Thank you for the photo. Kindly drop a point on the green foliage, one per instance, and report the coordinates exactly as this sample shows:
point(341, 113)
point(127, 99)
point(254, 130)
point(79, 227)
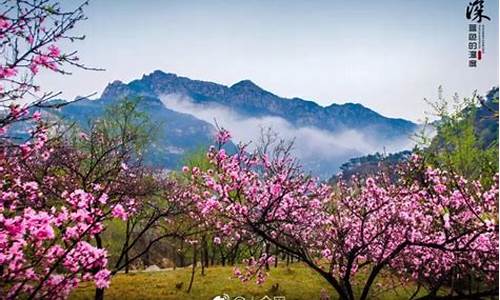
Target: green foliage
point(197, 158)
point(121, 134)
point(123, 120)
point(121, 125)
point(113, 238)
point(460, 144)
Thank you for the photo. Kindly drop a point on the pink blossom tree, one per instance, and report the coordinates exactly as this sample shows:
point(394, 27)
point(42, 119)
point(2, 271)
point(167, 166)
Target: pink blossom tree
point(45, 248)
point(46, 223)
point(107, 159)
point(429, 224)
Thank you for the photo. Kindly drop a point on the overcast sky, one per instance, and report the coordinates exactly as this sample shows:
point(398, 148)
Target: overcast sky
point(387, 55)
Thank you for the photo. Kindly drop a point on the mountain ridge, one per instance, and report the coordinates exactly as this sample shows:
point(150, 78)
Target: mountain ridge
point(327, 135)
point(248, 98)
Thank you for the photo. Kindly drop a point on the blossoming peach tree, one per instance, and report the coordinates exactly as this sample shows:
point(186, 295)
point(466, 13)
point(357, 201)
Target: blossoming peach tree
point(45, 248)
point(430, 226)
point(45, 229)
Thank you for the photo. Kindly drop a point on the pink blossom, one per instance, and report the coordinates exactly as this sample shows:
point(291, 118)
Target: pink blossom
point(102, 279)
point(4, 23)
point(223, 136)
point(54, 51)
point(6, 72)
point(37, 116)
point(124, 166)
point(119, 212)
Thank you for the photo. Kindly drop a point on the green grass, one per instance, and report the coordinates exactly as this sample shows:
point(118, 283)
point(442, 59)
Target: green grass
point(298, 282)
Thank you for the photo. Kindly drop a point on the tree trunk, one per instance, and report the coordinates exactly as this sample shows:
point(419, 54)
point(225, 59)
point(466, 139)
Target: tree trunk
point(212, 258)
point(222, 257)
point(234, 254)
point(276, 257)
point(181, 255)
point(202, 258)
point(194, 269)
point(206, 252)
point(267, 254)
point(127, 237)
point(99, 293)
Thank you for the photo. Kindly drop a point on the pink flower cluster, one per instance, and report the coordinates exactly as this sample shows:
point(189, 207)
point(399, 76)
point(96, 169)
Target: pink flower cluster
point(48, 60)
point(223, 136)
point(254, 268)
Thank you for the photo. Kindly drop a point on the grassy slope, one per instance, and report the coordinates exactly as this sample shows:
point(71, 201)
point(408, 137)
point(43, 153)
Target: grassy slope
point(295, 283)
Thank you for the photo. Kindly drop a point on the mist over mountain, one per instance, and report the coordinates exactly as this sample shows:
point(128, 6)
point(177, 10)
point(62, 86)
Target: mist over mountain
point(185, 111)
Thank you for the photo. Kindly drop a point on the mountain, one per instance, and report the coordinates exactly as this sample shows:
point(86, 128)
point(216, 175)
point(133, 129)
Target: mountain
point(185, 110)
point(248, 99)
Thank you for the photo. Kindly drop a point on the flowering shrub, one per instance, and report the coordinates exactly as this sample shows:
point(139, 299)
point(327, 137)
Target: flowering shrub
point(424, 226)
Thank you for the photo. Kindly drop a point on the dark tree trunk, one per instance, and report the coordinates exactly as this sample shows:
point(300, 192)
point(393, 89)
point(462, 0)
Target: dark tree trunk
point(127, 237)
point(202, 258)
point(267, 253)
point(206, 252)
point(99, 293)
point(222, 257)
point(276, 257)
point(212, 257)
point(181, 255)
point(234, 254)
point(194, 268)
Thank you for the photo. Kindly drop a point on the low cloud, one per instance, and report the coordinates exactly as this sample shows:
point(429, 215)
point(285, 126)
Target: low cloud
point(312, 145)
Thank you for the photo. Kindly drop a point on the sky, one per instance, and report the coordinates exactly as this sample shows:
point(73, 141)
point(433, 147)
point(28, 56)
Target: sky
point(387, 55)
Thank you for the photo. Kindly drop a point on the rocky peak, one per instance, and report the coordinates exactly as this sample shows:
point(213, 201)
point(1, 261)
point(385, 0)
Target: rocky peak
point(246, 85)
point(159, 75)
point(115, 89)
